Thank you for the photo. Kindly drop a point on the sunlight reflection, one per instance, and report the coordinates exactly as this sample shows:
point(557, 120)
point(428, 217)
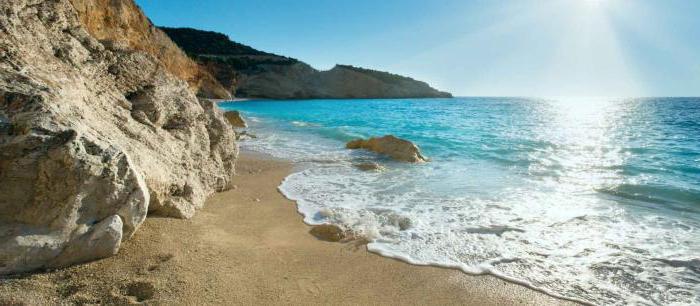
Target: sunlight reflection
point(582, 155)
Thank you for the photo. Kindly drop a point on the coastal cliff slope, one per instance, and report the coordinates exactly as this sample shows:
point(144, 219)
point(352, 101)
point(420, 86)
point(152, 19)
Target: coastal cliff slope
point(93, 136)
point(256, 74)
point(123, 24)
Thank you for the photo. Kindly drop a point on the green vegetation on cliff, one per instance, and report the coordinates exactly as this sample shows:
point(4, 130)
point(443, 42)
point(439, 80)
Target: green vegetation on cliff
point(256, 74)
point(207, 42)
point(217, 46)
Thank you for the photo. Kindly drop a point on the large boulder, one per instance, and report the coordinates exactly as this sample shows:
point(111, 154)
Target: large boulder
point(93, 137)
point(396, 148)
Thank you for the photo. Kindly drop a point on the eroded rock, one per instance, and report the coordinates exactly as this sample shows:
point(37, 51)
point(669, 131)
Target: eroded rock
point(328, 232)
point(121, 25)
point(244, 135)
point(396, 148)
point(92, 139)
point(101, 241)
point(235, 119)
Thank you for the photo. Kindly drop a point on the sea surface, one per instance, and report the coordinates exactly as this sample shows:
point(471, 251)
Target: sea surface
point(591, 199)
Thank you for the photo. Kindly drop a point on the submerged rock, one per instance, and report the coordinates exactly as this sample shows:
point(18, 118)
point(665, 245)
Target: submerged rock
point(244, 135)
point(402, 222)
point(92, 138)
point(328, 232)
point(497, 230)
point(370, 166)
point(235, 119)
point(396, 148)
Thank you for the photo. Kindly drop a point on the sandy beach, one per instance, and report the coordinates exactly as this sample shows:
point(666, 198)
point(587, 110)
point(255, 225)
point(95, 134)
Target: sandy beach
point(156, 153)
point(250, 246)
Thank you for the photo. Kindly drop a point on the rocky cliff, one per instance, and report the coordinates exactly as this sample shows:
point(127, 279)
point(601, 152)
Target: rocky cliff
point(257, 74)
point(123, 25)
point(96, 132)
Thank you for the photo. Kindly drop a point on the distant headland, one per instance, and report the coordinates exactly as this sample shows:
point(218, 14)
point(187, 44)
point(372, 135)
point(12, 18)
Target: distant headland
point(250, 73)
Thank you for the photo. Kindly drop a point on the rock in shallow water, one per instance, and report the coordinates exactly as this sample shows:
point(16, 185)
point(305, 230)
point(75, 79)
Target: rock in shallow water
point(244, 135)
point(328, 232)
point(396, 148)
point(370, 166)
point(235, 119)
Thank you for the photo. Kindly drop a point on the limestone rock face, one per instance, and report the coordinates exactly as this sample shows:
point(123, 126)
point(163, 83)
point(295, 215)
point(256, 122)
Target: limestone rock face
point(93, 137)
point(122, 23)
point(396, 148)
point(235, 119)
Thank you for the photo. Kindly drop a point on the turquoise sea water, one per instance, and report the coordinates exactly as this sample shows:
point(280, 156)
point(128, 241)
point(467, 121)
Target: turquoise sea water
point(596, 200)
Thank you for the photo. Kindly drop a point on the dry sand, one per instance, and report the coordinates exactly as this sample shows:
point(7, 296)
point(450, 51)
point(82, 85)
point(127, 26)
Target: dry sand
point(250, 246)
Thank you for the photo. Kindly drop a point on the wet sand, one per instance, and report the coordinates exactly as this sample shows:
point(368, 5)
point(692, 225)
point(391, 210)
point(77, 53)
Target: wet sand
point(250, 246)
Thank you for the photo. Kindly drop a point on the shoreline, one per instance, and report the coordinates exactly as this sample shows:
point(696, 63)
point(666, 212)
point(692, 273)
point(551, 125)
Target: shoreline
point(250, 245)
point(217, 101)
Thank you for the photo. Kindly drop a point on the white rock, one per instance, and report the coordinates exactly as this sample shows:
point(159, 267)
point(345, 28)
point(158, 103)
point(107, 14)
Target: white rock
point(101, 241)
point(92, 139)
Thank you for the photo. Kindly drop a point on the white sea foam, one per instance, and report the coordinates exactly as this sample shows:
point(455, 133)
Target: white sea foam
point(304, 123)
point(524, 243)
point(558, 236)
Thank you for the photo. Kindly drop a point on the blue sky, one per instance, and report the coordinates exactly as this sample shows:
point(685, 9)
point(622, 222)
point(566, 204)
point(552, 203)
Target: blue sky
point(474, 48)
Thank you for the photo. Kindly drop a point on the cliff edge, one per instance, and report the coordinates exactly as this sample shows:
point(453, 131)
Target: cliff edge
point(123, 25)
point(95, 133)
point(257, 74)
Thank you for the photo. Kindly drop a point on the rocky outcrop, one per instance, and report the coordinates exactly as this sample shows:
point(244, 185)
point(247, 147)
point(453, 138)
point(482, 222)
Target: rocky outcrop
point(122, 24)
point(235, 119)
point(301, 81)
point(93, 136)
point(257, 74)
point(353, 82)
point(396, 148)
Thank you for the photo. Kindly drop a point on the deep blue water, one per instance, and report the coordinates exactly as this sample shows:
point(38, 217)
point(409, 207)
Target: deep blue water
point(591, 199)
